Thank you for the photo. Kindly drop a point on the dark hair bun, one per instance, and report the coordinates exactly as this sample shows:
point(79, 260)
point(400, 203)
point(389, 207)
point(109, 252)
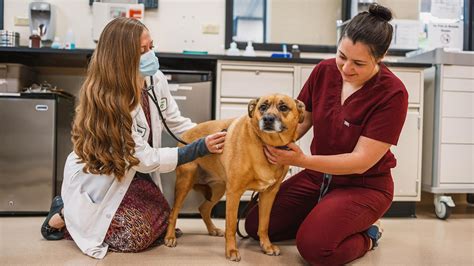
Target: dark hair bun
point(380, 12)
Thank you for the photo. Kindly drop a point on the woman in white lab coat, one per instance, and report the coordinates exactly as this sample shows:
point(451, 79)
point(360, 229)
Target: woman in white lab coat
point(111, 192)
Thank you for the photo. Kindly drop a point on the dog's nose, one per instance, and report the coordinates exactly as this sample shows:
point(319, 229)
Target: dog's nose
point(268, 119)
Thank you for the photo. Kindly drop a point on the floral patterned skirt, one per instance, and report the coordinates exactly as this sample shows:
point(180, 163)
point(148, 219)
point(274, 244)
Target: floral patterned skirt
point(141, 219)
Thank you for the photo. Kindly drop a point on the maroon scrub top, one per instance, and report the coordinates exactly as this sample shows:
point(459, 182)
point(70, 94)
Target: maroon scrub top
point(377, 111)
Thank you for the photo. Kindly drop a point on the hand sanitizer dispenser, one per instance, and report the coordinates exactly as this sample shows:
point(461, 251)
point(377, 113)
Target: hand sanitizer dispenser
point(42, 20)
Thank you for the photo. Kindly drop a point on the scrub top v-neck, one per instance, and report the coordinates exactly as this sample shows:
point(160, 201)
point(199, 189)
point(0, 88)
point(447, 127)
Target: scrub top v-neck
point(377, 111)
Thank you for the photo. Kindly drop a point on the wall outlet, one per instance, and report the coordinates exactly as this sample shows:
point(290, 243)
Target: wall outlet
point(210, 28)
point(21, 21)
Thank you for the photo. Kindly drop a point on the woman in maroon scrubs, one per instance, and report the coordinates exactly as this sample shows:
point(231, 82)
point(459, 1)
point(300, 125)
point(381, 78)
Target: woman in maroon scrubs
point(357, 108)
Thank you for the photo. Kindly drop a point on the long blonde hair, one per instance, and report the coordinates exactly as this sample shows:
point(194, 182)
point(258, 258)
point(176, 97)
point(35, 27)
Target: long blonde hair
point(102, 128)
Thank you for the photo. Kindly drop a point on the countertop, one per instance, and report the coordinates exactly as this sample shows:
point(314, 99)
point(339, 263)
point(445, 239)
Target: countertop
point(47, 57)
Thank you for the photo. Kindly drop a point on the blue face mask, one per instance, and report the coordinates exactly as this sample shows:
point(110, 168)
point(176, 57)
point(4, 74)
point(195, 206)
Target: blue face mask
point(149, 64)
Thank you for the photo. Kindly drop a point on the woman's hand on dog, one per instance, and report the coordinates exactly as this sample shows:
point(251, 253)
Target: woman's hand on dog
point(215, 142)
point(290, 156)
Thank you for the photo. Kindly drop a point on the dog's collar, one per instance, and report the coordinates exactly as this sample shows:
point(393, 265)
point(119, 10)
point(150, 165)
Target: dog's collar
point(285, 147)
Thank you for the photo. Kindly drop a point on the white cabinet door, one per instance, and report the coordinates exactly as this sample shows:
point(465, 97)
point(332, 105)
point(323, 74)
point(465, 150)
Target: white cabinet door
point(305, 73)
point(305, 141)
point(406, 175)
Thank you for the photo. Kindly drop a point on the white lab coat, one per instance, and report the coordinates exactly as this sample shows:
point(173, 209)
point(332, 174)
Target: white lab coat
point(90, 201)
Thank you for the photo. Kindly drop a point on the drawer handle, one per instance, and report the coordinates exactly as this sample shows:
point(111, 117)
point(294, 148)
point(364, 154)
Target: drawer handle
point(41, 107)
point(257, 72)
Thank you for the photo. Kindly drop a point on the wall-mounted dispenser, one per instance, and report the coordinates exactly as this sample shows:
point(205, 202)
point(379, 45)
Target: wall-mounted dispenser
point(43, 20)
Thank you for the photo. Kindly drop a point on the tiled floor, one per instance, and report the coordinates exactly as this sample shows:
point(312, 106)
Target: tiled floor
point(406, 241)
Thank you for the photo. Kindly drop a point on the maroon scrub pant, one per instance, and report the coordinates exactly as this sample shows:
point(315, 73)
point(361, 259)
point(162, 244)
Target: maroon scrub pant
point(330, 232)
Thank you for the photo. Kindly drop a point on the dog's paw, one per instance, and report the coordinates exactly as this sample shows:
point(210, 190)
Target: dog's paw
point(233, 255)
point(171, 242)
point(270, 249)
point(216, 232)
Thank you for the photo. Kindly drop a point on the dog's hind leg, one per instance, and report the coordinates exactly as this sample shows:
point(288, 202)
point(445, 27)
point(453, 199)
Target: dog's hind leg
point(185, 176)
point(213, 192)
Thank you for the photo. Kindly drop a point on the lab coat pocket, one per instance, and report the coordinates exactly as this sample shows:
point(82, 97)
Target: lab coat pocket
point(87, 198)
point(80, 212)
point(84, 210)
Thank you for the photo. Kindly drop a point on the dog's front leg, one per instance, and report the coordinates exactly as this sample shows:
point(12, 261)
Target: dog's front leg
point(264, 209)
point(232, 206)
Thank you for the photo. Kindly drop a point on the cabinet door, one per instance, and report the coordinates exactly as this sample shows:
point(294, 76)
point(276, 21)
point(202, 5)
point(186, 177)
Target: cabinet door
point(305, 73)
point(406, 174)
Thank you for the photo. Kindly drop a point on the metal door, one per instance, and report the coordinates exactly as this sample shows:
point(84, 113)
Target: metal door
point(193, 93)
point(26, 154)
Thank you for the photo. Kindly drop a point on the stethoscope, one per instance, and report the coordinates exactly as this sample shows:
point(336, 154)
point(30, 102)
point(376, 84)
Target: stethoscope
point(155, 101)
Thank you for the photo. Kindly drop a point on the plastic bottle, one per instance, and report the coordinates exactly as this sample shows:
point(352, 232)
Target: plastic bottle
point(56, 44)
point(70, 42)
point(233, 50)
point(249, 51)
point(285, 51)
point(35, 40)
point(295, 51)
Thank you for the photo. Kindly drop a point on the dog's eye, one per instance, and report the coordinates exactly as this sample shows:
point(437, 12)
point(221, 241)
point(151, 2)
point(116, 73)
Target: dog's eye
point(283, 108)
point(262, 108)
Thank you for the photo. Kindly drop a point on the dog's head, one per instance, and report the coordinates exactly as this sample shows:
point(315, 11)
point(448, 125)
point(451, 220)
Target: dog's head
point(276, 113)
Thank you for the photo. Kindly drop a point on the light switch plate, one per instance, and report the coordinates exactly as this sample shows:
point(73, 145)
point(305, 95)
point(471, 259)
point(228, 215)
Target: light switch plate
point(210, 28)
point(21, 21)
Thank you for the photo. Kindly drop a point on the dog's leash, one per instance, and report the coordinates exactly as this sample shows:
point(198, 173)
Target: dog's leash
point(250, 204)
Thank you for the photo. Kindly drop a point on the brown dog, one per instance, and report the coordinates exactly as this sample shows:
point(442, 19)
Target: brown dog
point(242, 166)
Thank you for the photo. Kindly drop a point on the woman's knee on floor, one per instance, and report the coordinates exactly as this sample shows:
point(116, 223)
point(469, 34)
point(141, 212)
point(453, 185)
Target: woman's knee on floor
point(314, 248)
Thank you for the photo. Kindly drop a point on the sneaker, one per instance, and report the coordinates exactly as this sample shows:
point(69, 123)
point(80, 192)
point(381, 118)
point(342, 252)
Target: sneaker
point(374, 233)
point(48, 232)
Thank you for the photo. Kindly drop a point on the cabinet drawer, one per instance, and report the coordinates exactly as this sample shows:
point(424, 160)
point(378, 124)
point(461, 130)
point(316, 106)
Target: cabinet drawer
point(412, 82)
point(457, 130)
point(456, 164)
point(454, 84)
point(253, 82)
point(230, 110)
point(458, 72)
point(458, 104)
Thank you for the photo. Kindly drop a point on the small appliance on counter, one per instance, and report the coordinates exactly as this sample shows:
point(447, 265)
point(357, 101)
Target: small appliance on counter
point(35, 141)
point(42, 19)
point(9, 38)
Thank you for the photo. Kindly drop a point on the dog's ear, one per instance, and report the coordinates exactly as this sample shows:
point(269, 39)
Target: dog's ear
point(252, 106)
point(301, 108)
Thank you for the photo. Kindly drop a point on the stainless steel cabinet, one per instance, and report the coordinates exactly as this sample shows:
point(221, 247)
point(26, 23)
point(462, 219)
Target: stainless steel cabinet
point(34, 143)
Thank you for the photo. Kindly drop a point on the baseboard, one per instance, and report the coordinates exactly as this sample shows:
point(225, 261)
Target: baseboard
point(397, 209)
point(402, 209)
point(219, 210)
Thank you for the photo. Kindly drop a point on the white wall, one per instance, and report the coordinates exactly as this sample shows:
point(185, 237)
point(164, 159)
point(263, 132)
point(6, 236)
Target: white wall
point(175, 25)
point(304, 21)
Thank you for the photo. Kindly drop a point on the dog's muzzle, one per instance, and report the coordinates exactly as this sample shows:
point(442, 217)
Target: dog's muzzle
point(270, 123)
